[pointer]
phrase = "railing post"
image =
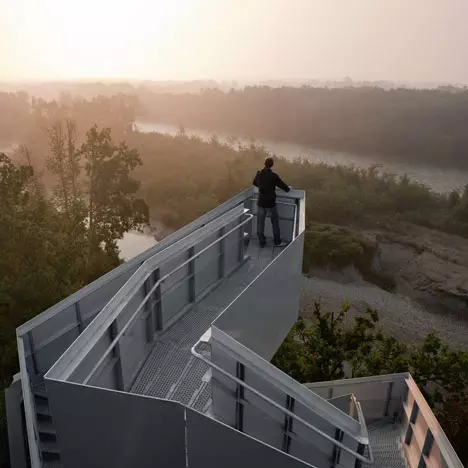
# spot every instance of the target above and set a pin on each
(222, 253)
(352, 407)
(250, 226)
(339, 434)
(360, 451)
(241, 242)
(79, 317)
(157, 304)
(149, 310)
(413, 417)
(240, 374)
(113, 331)
(388, 398)
(288, 423)
(427, 447)
(192, 291)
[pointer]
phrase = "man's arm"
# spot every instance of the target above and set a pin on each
(255, 181)
(281, 184)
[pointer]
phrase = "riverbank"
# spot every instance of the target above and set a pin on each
(438, 179)
(430, 271)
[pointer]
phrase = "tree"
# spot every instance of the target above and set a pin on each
(327, 350)
(113, 207)
(43, 258)
(64, 163)
(318, 352)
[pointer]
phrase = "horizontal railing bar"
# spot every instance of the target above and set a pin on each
(278, 406)
(278, 202)
(155, 286)
(384, 378)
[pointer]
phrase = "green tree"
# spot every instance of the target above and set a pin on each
(113, 207)
(43, 258)
(318, 352)
(326, 349)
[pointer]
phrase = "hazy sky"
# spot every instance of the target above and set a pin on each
(413, 40)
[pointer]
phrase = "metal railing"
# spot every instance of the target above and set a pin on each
(157, 285)
(293, 219)
(288, 413)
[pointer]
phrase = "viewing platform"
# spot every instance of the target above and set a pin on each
(165, 361)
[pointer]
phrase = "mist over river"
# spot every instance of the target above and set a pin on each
(439, 179)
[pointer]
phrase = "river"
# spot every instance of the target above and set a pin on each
(439, 179)
(133, 243)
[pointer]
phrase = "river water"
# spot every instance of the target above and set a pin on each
(439, 179)
(133, 243)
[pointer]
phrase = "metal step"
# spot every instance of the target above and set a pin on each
(42, 407)
(52, 464)
(385, 440)
(49, 446)
(46, 426)
(40, 390)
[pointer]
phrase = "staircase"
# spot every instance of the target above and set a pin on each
(47, 434)
(385, 440)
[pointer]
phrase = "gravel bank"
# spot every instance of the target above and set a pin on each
(399, 315)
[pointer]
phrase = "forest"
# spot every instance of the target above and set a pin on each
(81, 176)
(419, 126)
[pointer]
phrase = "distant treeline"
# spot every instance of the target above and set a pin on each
(421, 126)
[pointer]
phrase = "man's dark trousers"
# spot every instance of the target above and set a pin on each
(261, 215)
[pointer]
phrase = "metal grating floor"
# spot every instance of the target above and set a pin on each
(385, 439)
(170, 371)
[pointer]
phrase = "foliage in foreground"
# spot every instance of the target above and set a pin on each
(328, 350)
(51, 247)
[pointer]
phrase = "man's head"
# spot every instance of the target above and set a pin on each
(269, 163)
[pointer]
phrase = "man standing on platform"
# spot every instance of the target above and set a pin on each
(266, 180)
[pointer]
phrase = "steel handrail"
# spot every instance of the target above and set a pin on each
(151, 291)
(294, 220)
(278, 202)
(281, 408)
(362, 421)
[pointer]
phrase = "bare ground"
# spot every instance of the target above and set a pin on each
(431, 272)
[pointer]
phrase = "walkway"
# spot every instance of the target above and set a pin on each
(171, 372)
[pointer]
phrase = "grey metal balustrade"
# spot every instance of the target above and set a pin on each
(284, 410)
(157, 286)
(165, 360)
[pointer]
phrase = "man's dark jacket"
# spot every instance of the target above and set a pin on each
(266, 180)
